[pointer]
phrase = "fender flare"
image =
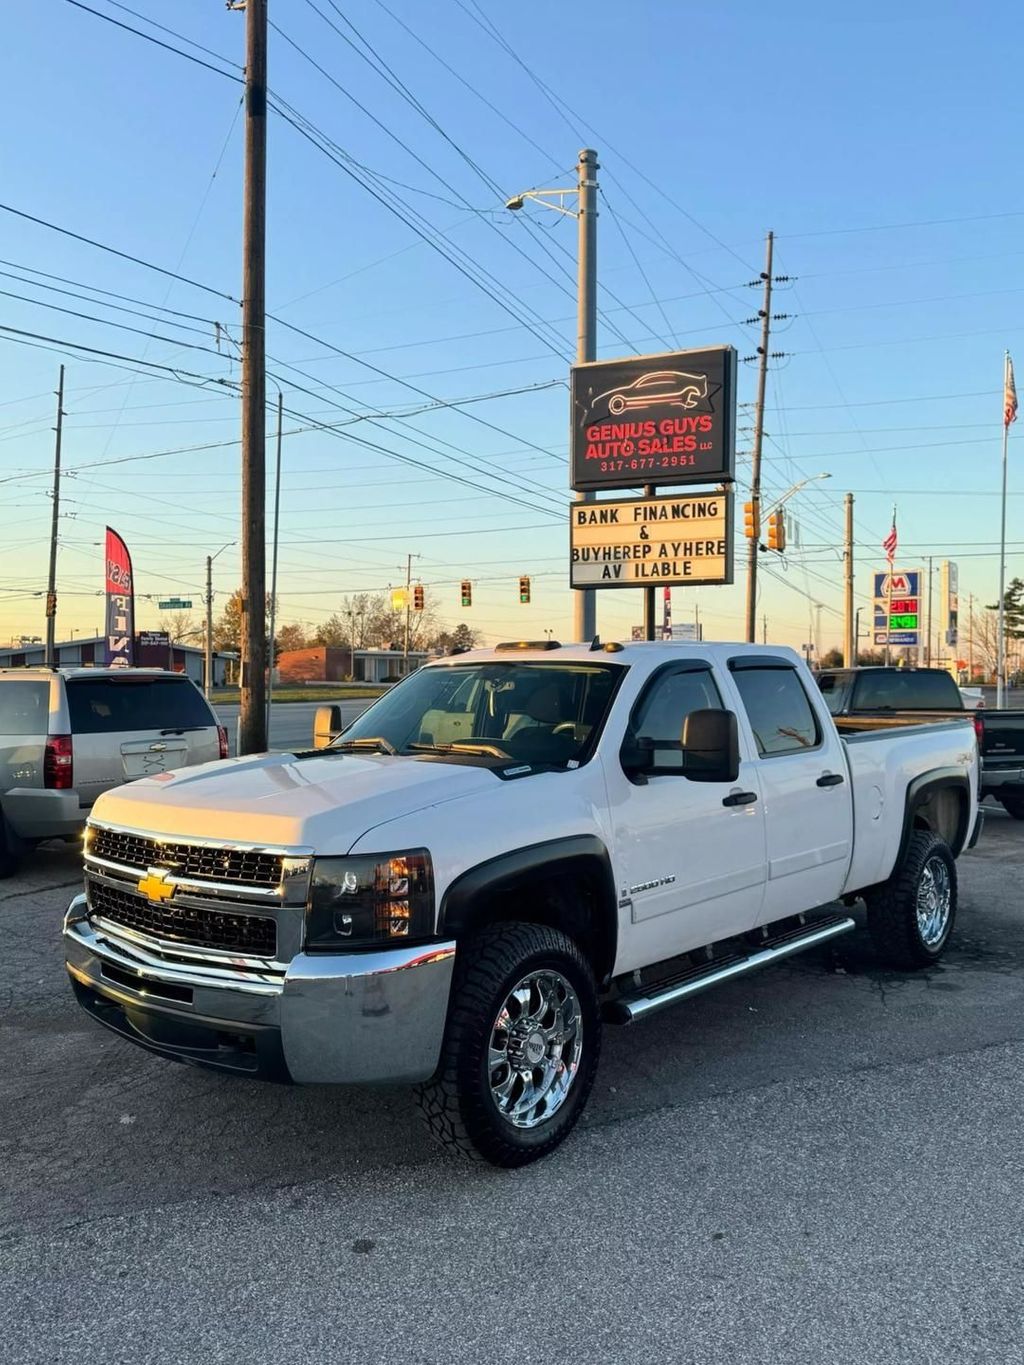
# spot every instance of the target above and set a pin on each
(465, 900)
(921, 789)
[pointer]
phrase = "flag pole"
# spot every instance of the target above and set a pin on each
(1001, 642)
(888, 603)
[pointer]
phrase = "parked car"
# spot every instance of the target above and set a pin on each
(511, 848)
(68, 735)
(866, 698)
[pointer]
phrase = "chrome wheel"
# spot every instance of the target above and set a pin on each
(534, 1051)
(934, 898)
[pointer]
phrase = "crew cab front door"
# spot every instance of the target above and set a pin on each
(689, 856)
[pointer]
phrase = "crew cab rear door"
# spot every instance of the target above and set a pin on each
(804, 781)
(689, 856)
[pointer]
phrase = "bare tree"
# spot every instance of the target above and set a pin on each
(180, 626)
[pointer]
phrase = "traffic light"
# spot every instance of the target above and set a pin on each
(399, 599)
(417, 597)
(777, 532)
(467, 593)
(524, 588)
(751, 526)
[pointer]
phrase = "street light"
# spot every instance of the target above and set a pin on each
(584, 606)
(811, 478)
(209, 616)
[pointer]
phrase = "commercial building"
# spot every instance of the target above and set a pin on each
(88, 652)
(336, 663)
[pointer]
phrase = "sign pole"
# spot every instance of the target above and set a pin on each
(650, 594)
(584, 606)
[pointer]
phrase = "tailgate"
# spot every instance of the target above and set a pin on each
(1002, 734)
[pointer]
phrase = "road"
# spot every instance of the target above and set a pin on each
(291, 722)
(824, 1163)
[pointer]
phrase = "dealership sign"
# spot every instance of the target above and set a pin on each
(654, 420)
(646, 542)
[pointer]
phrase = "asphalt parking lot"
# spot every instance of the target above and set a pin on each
(821, 1163)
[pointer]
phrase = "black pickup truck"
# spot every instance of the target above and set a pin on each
(870, 698)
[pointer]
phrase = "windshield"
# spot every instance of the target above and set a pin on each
(531, 712)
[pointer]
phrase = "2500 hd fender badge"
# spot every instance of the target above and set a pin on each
(648, 886)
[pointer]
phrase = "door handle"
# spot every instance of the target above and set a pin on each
(739, 799)
(831, 780)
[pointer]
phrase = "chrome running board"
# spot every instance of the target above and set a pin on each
(638, 1004)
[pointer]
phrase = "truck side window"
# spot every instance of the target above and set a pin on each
(780, 713)
(662, 709)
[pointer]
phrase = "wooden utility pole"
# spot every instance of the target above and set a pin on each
(252, 723)
(755, 472)
(850, 642)
(51, 581)
(408, 608)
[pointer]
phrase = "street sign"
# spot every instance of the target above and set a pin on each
(654, 419)
(175, 604)
(647, 542)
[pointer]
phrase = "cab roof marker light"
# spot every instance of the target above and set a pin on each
(527, 644)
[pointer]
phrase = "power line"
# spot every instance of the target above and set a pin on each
(113, 251)
(109, 18)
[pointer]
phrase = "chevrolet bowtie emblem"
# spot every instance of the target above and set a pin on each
(156, 885)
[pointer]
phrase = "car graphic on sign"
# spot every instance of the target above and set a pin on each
(655, 389)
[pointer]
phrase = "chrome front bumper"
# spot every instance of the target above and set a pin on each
(351, 1017)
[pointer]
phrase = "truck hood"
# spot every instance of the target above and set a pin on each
(323, 802)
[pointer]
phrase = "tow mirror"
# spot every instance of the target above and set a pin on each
(637, 757)
(327, 725)
(711, 746)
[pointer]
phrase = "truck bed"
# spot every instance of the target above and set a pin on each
(884, 761)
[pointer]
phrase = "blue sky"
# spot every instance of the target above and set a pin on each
(881, 151)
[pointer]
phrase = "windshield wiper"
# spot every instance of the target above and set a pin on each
(460, 746)
(375, 743)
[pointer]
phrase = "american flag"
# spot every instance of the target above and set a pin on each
(890, 542)
(1009, 394)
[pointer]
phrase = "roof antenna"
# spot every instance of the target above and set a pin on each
(595, 644)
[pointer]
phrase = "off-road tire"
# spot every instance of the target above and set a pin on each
(1013, 805)
(892, 907)
(456, 1103)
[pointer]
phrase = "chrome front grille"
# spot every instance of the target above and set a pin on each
(243, 867)
(181, 921)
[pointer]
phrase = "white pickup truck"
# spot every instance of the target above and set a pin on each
(510, 849)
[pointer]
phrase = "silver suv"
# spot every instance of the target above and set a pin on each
(68, 735)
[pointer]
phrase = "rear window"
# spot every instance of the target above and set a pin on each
(102, 705)
(24, 707)
(779, 711)
(835, 688)
(907, 692)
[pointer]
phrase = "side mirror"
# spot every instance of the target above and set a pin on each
(326, 726)
(637, 758)
(711, 747)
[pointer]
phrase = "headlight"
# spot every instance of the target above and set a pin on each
(370, 901)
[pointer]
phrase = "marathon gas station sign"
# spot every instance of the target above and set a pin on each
(661, 419)
(649, 542)
(898, 612)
